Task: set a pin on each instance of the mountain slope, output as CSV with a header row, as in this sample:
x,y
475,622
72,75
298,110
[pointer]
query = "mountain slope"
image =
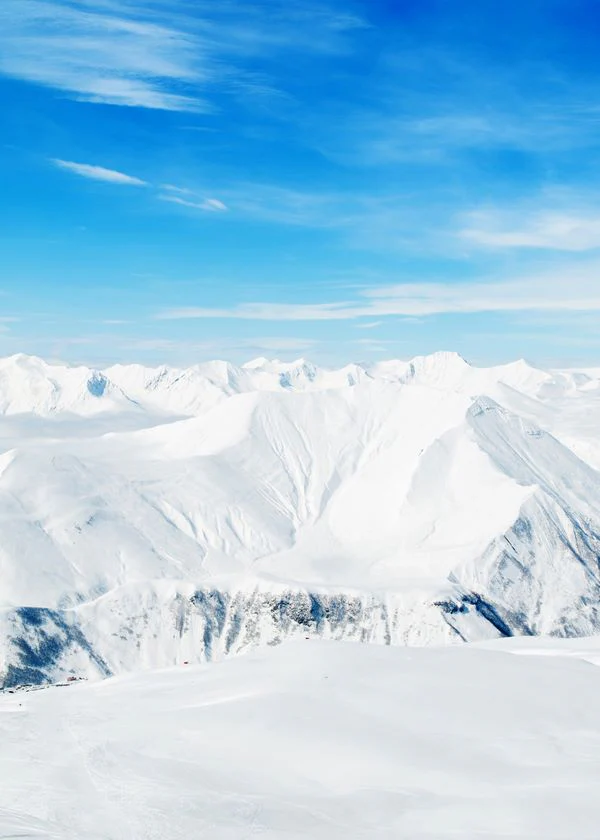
x,y
391,504
313,740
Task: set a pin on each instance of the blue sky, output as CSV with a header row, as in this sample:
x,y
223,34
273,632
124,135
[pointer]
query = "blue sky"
x,y
337,180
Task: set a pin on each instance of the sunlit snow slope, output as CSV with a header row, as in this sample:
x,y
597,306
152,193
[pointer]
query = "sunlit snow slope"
x,y
313,740
154,516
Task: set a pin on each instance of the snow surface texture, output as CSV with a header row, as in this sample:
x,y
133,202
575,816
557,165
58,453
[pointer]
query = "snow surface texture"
x,y
154,516
314,740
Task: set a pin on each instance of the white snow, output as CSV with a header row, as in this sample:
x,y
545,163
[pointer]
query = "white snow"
x,y
154,522
145,512
313,739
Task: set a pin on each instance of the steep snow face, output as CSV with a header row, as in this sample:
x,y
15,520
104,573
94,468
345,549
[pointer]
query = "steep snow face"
x,y
314,740
202,512
29,385
159,624
543,573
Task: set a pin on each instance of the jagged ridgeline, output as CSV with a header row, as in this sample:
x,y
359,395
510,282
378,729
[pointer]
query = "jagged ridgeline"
x,y
151,517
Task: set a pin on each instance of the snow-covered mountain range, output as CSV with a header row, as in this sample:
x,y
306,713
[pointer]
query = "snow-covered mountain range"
x,y
154,516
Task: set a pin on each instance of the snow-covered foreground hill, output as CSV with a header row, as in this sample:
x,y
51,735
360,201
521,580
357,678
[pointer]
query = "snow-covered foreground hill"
x,y
154,516
327,741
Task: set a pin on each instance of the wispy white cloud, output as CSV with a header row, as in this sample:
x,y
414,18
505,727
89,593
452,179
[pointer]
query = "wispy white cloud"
x,y
387,221
574,288
99,173
176,189
223,346
371,346
174,195
212,205
284,205
152,54
104,53
559,231
435,102
275,344
266,312
381,137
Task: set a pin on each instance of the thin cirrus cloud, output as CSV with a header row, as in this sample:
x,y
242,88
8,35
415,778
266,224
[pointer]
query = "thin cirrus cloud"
x,y
158,55
99,173
175,189
570,289
378,137
560,231
224,345
113,176
370,325
212,205
102,53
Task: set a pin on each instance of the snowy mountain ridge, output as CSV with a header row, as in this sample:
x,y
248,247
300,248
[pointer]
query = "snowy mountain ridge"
x,y
29,384
154,516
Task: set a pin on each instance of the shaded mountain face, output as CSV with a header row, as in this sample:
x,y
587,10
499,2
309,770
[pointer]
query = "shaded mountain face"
x,y
152,516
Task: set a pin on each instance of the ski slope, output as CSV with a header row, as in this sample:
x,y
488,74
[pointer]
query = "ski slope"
x,y
314,739
154,516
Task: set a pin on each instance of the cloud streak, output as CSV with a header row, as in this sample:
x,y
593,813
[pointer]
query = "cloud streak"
x,y
576,290
99,173
101,53
113,176
155,54
560,231
212,205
